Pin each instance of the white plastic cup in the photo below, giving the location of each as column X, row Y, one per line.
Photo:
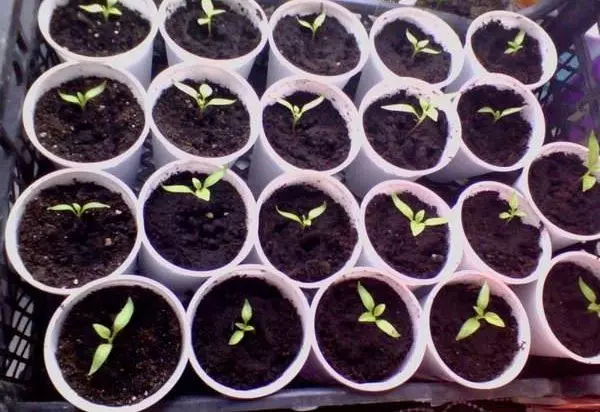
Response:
column 332, row 187
column 280, row 67
column 242, row 64
column 51, row 341
column 137, row 61
column 318, row 364
column 376, row 71
column 289, row 291
column 560, row 237
column 157, row 267
column 433, row 363
column 166, row 151
column 369, row 168
column 544, row 341
column 62, row 178
column 370, row 257
column 267, row 164
column 466, row 164
column 125, row 165
column 471, row 260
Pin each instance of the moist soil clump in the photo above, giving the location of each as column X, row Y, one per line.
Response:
column 62, row 250
column 192, row 233
column 263, row 355
column 144, row 354
column 108, row 126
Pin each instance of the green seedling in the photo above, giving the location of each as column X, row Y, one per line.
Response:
column 77, row 209
column 516, row 44
column 104, row 349
column 592, row 164
column 209, row 13
column 513, row 209
column 419, row 46
column 499, row 114
column 201, row 96
column 471, row 325
column 590, row 296
column 304, row 220
column 298, row 112
column 315, row 25
column 81, row 99
column 198, row 189
column 374, row 312
column 418, row 223
column 244, row 327
column 427, row 110
column 107, row 11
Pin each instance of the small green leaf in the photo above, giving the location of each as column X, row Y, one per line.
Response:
column 422, row 43
column 416, row 228
column 311, row 105
column 93, row 205
column 202, row 21
column 289, row 215
column 76, row 208
column 487, row 110
column 511, row 110
column 493, row 319
column 236, row 338
column 178, row 189
column 316, row 212
column 479, row 311
column 92, row 8
column 100, row 356
column 207, row 6
column 365, row 297
column 319, row 20
column 588, row 182
column 286, row 104
column 304, row 23
column 203, row 194
column 387, row 328
column 436, row 221
column 379, row 309
column 221, row 102
column 505, row 216
column 216, row 12
column 402, row 207
column 513, row 202
column 196, row 183
column 428, row 50
column 468, row 328
column 420, row 216
column 483, row 299
column 186, row 89
column 62, row 208
column 69, row 98
column 214, row 178
column 367, row 317
column 587, row 291
column 115, row 12
column 248, row 328
column 123, row 317
column 402, row 108
column 411, row 38
column 246, row 311
column 110, row 3
column 520, row 37
column 102, row 331
column 205, row 90
column 432, row 113
column 90, row 94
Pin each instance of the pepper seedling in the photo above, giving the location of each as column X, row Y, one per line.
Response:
column 244, row 327
column 590, row 296
column 417, row 220
column 198, row 189
column 298, row 112
column 499, row 114
column 374, row 312
column 513, row 209
column 315, row 25
column 106, row 11
column 104, row 349
column 202, row 96
column 304, row 220
column 419, row 46
column 209, row 13
column 427, row 110
column 471, row 325
column 77, row 209
column 516, row 44
column 592, row 164
column 81, row 99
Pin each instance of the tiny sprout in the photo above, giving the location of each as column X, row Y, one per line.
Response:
column 499, row 114
column 77, row 209
column 592, row 164
column 513, row 211
column 244, row 327
column 417, row 221
column 314, row 26
column 210, row 12
column 201, row 96
column 104, row 349
column 81, row 99
column 106, row 11
column 516, row 44
column 297, row 112
column 200, row 190
column 374, row 312
column 304, row 220
column 419, row 46
column 471, row 325
column 427, row 110
column 590, row 296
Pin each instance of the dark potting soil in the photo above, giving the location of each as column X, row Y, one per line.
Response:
column 192, row 233
column 396, row 137
column 501, row 143
column 218, row 131
column 465, row 8
column 233, row 35
column 389, row 231
column 485, row 354
column 511, row 248
column 360, row 351
column 566, row 308
column 491, row 41
column 108, row 126
column 395, row 51
column 333, row 51
column 320, row 140
column 261, row 356
column 309, row 254
column 64, row 251
column 144, row 354
column 89, row 34
column 555, row 186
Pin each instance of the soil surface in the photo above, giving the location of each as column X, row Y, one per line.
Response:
column 108, row 126
column 465, row 8
column 389, row 231
column 144, row 354
column 89, row 34
column 333, row 51
column 64, row 251
column 491, row 41
column 309, row 254
column 395, row 51
column 261, row 356
column 555, row 186
column 501, row 143
column 485, row 354
column 233, row 35
column 192, row 233
column 566, row 308
column 360, row 351
column 511, row 248
column 320, row 140
column 396, row 137
column 218, row 131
